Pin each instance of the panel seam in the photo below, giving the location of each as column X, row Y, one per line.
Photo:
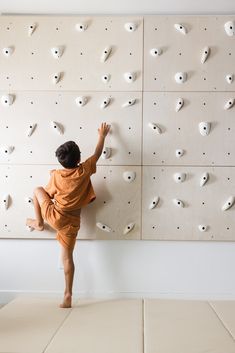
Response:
column 142, row 137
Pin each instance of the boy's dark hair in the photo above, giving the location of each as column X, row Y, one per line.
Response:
column 68, row 154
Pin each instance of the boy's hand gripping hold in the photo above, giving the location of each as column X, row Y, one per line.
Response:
column 103, row 132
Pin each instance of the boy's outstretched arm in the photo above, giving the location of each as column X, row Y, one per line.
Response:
column 103, row 131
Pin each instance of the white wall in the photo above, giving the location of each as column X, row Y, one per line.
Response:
column 118, row 7
column 120, row 268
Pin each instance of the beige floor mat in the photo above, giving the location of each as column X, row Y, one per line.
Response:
column 27, row 325
column 226, row 312
column 102, row 326
column 38, row 325
column 174, row 326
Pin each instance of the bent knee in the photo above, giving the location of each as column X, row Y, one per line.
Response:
column 38, row 189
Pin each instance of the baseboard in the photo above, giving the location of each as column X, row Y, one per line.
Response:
column 7, row 296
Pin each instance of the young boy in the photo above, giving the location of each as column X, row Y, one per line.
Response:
column 71, row 190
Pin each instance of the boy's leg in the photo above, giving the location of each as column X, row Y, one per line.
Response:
column 39, row 196
column 67, row 257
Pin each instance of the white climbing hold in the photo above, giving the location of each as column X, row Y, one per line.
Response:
column 81, row 27
column 29, row 229
column 7, row 149
column 57, row 52
column 179, row 27
column 8, row 51
column 31, row 129
column 202, row 227
column 204, row 179
column 129, row 176
column 105, row 54
column 29, row 201
column 129, row 103
column 56, row 78
column 180, row 77
column 155, row 127
column 204, row 128
column 130, row 26
column 103, row 227
column 229, row 78
column 129, row 77
column 230, row 28
column 106, row 153
column 105, row 103
column 6, row 201
column 81, row 101
column 179, row 104
column 179, row 152
column 128, row 228
column 106, row 78
column 154, row 202
column 179, row 177
column 57, row 127
column 229, row 104
column 31, row 28
column 7, row 100
column 156, row 52
column 229, row 203
column 178, row 203
column 205, row 54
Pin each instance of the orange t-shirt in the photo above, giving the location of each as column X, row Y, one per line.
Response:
column 71, row 187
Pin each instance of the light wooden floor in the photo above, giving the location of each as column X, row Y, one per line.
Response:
column 38, row 325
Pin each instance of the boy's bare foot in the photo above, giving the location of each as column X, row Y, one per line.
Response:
column 67, row 303
column 33, row 223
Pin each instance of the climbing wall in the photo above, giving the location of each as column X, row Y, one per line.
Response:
column 166, row 84
column 188, row 128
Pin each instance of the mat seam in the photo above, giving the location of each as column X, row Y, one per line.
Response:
column 44, row 349
column 221, row 321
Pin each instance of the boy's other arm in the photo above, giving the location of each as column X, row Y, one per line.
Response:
column 103, row 131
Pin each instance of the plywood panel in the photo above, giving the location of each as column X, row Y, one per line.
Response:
column 79, row 124
column 180, row 130
column 117, row 205
column 202, row 205
column 32, row 66
column 182, row 53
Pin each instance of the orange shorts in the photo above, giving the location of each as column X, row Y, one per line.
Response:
column 66, row 224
